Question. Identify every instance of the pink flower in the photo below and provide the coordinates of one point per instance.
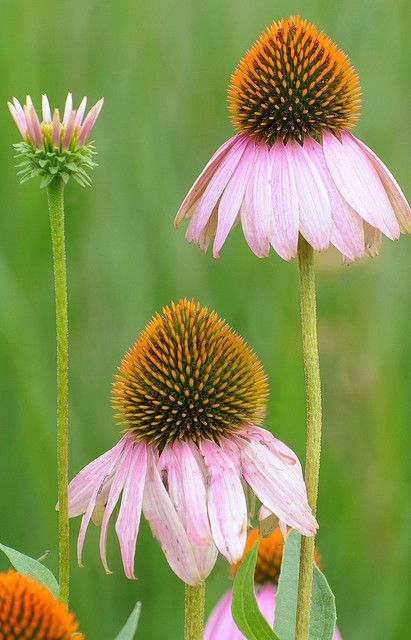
(51, 132)
(189, 392)
(221, 626)
(294, 167)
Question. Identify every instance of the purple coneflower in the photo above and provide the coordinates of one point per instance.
(55, 146)
(294, 167)
(220, 625)
(191, 395)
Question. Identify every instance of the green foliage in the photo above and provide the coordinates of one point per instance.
(323, 613)
(31, 567)
(129, 630)
(246, 613)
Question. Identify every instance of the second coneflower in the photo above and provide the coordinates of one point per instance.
(190, 394)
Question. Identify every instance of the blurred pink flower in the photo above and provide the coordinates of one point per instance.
(221, 626)
(51, 132)
(191, 447)
(294, 167)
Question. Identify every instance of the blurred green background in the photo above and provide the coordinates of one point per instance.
(163, 69)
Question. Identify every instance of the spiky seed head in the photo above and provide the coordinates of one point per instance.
(28, 610)
(188, 376)
(293, 82)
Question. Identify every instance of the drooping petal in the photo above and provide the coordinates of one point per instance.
(203, 179)
(45, 108)
(205, 558)
(187, 489)
(232, 197)
(273, 479)
(313, 203)
(227, 506)
(81, 487)
(215, 187)
(372, 239)
(256, 209)
(347, 232)
(285, 222)
(128, 520)
(89, 122)
(358, 183)
(391, 186)
(167, 526)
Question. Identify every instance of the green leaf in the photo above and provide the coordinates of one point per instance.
(129, 629)
(246, 613)
(31, 567)
(323, 613)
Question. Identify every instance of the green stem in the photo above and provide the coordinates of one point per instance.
(194, 612)
(55, 192)
(313, 452)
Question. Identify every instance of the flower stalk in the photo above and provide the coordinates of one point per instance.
(194, 612)
(55, 192)
(314, 419)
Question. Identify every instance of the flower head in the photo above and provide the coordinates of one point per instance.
(55, 146)
(294, 167)
(220, 625)
(29, 610)
(189, 393)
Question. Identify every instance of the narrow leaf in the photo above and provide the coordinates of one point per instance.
(130, 628)
(323, 613)
(31, 567)
(246, 613)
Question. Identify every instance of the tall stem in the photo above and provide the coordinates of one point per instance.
(313, 452)
(194, 612)
(55, 191)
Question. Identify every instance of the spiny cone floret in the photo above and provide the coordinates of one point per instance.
(293, 82)
(189, 376)
(55, 146)
(29, 611)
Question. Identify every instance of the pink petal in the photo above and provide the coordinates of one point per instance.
(274, 480)
(68, 134)
(56, 129)
(68, 109)
(187, 489)
(80, 112)
(372, 239)
(265, 597)
(203, 179)
(45, 108)
(18, 119)
(116, 488)
(89, 122)
(205, 558)
(285, 223)
(227, 506)
(220, 624)
(391, 186)
(358, 183)
(81, 487)
(30, 128)
(167, 526)
(347, 232)
(128, 520)
(313, 203)
(232, 197)
(256, 210)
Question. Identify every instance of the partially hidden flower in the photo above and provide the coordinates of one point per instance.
(55, 146)
(220, 624)
(29, 610)
(190, 394)
(294, 167)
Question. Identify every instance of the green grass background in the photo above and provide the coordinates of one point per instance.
(163, 69)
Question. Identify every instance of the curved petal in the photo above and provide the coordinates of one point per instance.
(265, 597)
(220, 624)
(358, 183)
(285, 222)
(218, 181)
(256, 209)
(347, 231)
(81, 487)
(313, 203)
(274, 480)
(205, 558)
(128, 520)
(227, 506)
(232, 197)
(187, 489)
(167, 526)
(372, 239)
(391, 186)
